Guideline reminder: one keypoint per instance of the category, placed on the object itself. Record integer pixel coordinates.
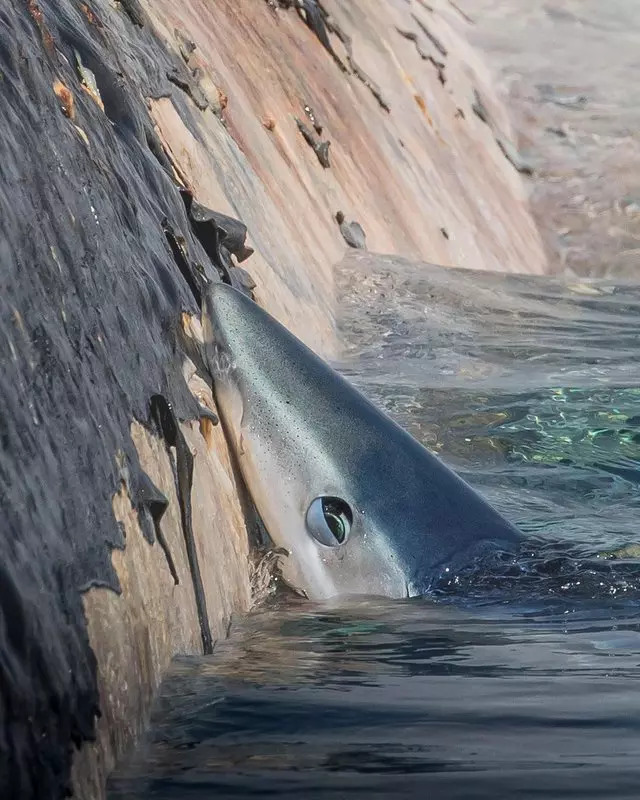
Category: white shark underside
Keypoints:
(391, 515)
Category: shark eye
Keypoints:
(329, 520)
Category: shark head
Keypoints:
(360, 506)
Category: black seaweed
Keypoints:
(152, 503)
(91, 293)
(164, 416)
(321, 149)
(221, 237)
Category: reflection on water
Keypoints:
(515, 678)
(401, 700)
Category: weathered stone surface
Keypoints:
(404, 175)
(135, 634)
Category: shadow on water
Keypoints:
(516, 677)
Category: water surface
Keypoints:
(570, 72)
(516, 678)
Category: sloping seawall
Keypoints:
(124, 533)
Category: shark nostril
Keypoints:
(329, 520)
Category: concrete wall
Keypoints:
(428, 164)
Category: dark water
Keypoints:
(517, 678)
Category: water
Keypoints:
(516, 678)
(569, 70)
(409, 700)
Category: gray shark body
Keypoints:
(359, 504)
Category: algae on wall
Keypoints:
(98, 589)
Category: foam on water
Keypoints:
(569, 70)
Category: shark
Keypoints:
(358, 505)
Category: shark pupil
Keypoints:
(336, 526)
(329, 520)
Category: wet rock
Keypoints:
(88, 333)
(431, 37)
(155, 147)
(231, 232)
(88, 81)
(163, 415)
(460, 11)
(223, 100)
(310, 11)
(152, 502)
(133, 9)
(242, 280)
(369, 83)
(352, 232)
(413, 37)
(245, 278)
(214, 95)
(82, 135)
(38, 17)
(190, 87)
(178, 246)
(65, 96)
(221, 237)
(186, 46)
(321, 149)
(479, 109)
(440, 67)
(311, 115)
(100, 76)
(513, 156)
(91, 16)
